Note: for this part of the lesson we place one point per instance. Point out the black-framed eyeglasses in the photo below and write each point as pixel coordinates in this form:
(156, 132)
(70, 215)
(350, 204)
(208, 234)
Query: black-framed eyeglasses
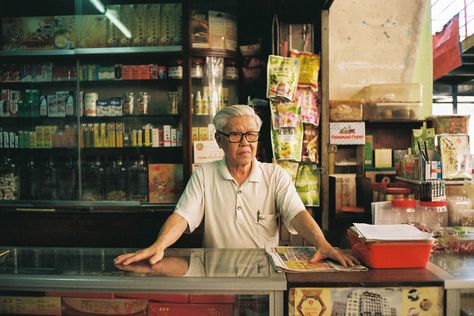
(236, 137)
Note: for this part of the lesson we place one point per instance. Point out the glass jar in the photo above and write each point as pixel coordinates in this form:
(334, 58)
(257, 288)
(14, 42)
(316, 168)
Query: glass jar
(196, 68)
(395, 193)
(46, 190)
(137, 180)
(93, 181)
(9, 180)
(66, 181)
(28, 180)
(404, 211)
(231, 72)
(460, 211)
(115, 181)
(434, 214)
(175, 71)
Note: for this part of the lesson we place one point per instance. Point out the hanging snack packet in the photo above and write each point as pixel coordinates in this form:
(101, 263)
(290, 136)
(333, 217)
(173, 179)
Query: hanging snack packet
(285, 114)
(307, 184)
(308, 101)
(282, 77)
(287, 143)
(310, 143)
(309, 68)
(291, 167)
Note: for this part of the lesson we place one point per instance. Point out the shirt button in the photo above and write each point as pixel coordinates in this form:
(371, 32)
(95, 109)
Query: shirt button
(238, 207)
(238, 192)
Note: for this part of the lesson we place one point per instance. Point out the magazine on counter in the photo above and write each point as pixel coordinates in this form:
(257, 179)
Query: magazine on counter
(296, 259)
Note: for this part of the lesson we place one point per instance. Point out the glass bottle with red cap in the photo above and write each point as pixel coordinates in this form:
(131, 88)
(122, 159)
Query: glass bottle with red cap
(404, 211)
(434, 214)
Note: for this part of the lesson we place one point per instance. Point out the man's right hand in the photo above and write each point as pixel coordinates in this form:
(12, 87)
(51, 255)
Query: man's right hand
(151, 253)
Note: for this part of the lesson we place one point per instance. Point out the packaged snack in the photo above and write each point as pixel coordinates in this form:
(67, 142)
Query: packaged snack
(282, 77)
(309, 68)
(307, 184)
(287, 143)
(285, 114)
(310, 143)
(308, 100)
(455, 156)
(291, 167)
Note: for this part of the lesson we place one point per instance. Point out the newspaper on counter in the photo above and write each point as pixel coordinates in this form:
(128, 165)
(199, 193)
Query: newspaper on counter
(296, 259)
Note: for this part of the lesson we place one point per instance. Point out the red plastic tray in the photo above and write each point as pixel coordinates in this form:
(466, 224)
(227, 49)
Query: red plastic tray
(393, 254)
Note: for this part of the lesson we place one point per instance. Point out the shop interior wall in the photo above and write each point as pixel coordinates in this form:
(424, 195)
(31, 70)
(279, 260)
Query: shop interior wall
(373, 41)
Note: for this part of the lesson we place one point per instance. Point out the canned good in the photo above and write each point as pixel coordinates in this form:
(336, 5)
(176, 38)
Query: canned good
(395, 193)
(90, 103)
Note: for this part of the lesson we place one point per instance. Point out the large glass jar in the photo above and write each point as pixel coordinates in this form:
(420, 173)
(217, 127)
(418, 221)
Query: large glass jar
(434, 214)
(404, 211)
(460, 211)
(29, 180)
(9, 180)
(115, 181)
(93, 181)
(46, 190)
(66, 181)
(137, 180)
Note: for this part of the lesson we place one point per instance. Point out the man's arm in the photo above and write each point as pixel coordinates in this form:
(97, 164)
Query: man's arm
(172, 229)
(307, 228)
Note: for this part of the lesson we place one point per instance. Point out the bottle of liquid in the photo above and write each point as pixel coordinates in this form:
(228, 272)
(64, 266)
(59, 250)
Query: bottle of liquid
(137, 180)
(198, 104)
(29, 179)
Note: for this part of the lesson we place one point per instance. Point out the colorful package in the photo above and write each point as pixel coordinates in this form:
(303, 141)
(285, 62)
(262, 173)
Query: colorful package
(282, 77)
(308, 101)
(307, 184)
(287, 143)
(310, 143)
(309, 68)
(285, 114)
(291, 167)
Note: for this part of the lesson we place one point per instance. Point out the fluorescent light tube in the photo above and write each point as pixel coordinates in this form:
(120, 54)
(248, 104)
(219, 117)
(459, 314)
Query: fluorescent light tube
(98, 5)
(111, 16)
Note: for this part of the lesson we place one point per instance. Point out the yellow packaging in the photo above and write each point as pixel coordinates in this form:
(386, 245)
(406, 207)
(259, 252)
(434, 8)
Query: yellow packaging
(30, 305)
(32, 139)
(383, 158)
(73, 137)
(96, 135)
(203, 133)
(134, 138)
(104, 142)
(147, 136)
(39, 136)
(195, 134)
(111, 134)
(140, 138)
(119, 134)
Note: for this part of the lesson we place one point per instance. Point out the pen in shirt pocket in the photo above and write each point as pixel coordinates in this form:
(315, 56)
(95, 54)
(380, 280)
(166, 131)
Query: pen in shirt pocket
(260, 216)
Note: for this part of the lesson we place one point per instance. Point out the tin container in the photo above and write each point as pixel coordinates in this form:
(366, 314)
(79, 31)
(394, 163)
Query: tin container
(90, 103)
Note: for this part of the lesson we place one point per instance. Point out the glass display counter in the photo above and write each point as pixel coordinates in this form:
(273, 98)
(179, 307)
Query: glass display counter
(457, 270)
(186, 281)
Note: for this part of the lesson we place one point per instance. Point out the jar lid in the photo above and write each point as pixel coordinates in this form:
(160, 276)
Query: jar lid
(378, 186)
(434, 203)
(404, 203)
(397, 191)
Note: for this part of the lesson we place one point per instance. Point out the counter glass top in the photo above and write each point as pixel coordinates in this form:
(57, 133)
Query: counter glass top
(456, 264)
(179, 269)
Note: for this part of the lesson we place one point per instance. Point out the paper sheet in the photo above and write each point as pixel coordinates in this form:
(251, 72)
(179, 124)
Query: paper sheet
(398, 232)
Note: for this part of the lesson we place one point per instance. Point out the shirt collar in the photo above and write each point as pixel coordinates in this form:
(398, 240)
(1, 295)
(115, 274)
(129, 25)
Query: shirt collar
(254, 176)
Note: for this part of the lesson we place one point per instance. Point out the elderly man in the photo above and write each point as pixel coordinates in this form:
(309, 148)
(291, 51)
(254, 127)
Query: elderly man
(239, 198)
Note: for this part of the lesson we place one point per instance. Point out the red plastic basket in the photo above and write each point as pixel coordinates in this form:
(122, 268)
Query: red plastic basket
(392, 254)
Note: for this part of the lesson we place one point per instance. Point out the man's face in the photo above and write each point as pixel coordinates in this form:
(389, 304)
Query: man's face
(243, 152)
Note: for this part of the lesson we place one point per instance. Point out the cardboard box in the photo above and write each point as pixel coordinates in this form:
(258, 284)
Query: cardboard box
(95, 306)
(206, 151)
(171, 309)
(165, 182)
(212, 298)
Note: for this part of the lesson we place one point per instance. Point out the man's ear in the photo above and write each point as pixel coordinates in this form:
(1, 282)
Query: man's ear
(218, 139)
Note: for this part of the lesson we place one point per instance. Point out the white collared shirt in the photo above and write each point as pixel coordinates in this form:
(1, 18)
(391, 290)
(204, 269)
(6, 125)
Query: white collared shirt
(242, 216)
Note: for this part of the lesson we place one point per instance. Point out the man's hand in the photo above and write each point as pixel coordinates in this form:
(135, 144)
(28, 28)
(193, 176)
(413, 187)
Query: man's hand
(329, 252)
(151, 253)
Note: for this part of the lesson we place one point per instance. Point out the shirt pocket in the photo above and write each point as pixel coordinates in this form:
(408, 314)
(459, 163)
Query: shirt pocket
(267, 228)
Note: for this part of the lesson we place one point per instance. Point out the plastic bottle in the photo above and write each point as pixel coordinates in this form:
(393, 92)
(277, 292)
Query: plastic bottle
(434, 214)
(93, 181)
(404, 211)
(137, 180)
